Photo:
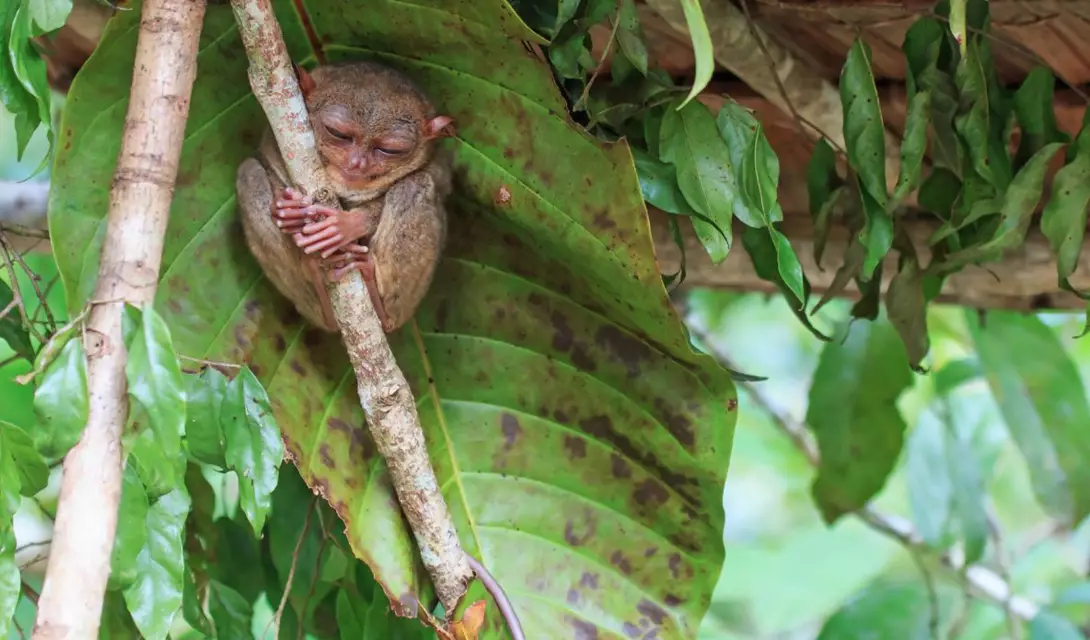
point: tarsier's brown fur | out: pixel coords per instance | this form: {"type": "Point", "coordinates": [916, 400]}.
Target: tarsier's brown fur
{"type": "Point", "coordinates": [376, 133]}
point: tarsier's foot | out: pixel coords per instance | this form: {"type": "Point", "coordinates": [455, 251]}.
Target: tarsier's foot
{"type": "Point", "coordinates": [355, 256]}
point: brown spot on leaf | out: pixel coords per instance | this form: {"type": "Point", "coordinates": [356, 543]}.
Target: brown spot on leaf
{"type": "Point", "coordinates": [298, 367]}
{"type": "Point", "coordinates": [619, 560]}
{"type": "Point", "coordinates": [581, 359]}
{"type": "Point", "coordinates": [511, 430]}
{"type": "Point", "coordinates": [650, 551]}
{"type": "Point", "coordinates": [560, 416]}
{"type": "Point", "coordinates": [674, 562]}
{"type": "Point", "coordinates": [325, 455]}
{"type": "Point", "coordinates": [576, 447]}
{"type": "Point", "coordinates": [406, 606]}
{"type": "Point", "coordinates": [652, 611]}
{"type": "Point", "coordinates": [573, 597]}
{"type": "Point", "coordinates": [620, 466]}
{"type": "Point", "coordinates": [588, 580]}
{"type": "Point", "coordinates": [623, 348]}
{"type": "Point", "coordinates": [651, 493]}
{"type": "Point", "coordinates": [502, 196]}
{"type": "Point", "coordinates": [732, 404]}
{"type": "Point", "coordinates": [671, 600]}
{"type": "Point", "coordinates": [584, 630]}
{"type": "Point", "coordinates": [562, 333]}
{"type": "Point", "coordinates": [577, 538]}
{"type": "Point", "coordinates": [603, 221]}
{"type": "Point", "coordinates": [631, 630]}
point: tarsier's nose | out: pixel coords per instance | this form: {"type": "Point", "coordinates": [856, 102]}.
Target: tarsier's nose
{"type": "Point", "coordinates": [357, 161]}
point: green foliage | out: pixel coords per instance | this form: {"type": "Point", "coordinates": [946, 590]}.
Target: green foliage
{"type": "Point", "coordinates": [60, 400]}
{"type": "Point", "coordinates": [155, 596]}
{"type": "Point", "coordinates": [882, 611]}
{"type": "Point", "coordinates": [11, 326]}
{"type": "Point", "coordinates": [702, 46]}
{"type": "Point", "coordinates": [855, 385]}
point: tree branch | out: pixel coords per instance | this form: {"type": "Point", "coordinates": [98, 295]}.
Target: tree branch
{"type": "Point", "coordinates": [163, 74]}
{"type": "Point", "coordinates": [979, 580]}
{"type": "Point", "coordinates": [384, 392]}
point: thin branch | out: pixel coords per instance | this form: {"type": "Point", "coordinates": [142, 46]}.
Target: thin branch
{"type": "Point", "coordinates": [601, 61]}
{"type": "Point", "coordinates": [25, 231]}
{"type": "Point", "coordinates": [34, 280]}
{"type": "Point", "coordinates": [147, 167]}
{"type": "Point", "coordinates": [384, 392]}
{"type": "Point", "coordinates": [291, 574]}
{"type": "Point", "coordinates": [17, 295]}
{"type": "Point", "coordinates": [981, 581]}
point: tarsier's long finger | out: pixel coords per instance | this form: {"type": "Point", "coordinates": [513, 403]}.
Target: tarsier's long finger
{"type": "Point", "coordinates": [295, 213]}
{"type": "Point", "coordinates": [315, 227]}
{"type": "Point", "coordinates": [312, 238]}
{"type": "Point", "coordinates": [291, 226]}
{"type": "Point", "coordinates": [331, 242]}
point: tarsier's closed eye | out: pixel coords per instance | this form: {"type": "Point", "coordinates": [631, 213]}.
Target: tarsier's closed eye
{"type": "Point", "coordinates": [337, 134]}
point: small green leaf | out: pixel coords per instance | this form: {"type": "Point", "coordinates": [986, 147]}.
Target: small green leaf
{"type": "Point", "coordinates": [913, 145]}
{"type": "Point", "coordinates": [1015, 214]}
{"type": "Point", "coordinates": [930, 488]}
{"type": "Point", "coordinates": [254, 448]}
{"type": "Point", "coordinates": [192, 608]}
{"type": "Point", "coordinates": [689, 140]}
{"type": "Point", "coordinates": [351, 615]}
{"type": "Point", "coordinates": [1063, 221]}
{"type": "Point", "coordinates": [630, 36]}
{"type": "Point", "coordinates": [204, 429]}
{"type": "Point", "coordinates": [658, 184]}
{"type": "Point", "coordinates": [49, 15]}
{"type": "Point", "coordinates": [12, 330]}
{"type": "Point", "coordinates": [30, 71]}
{"type": "Point", "coordinates": [1036, 115]}
{"type": "Point", "coordinates": [821, 176]}
{"type": "Point", "coordinates": [907, 308]}
{"type": "Point", "coordinates": [238, 557]}
{"type": "Point", "coordinates": [849, 268]}
{"type": "Point", "coordinates": [975, 125]}
{"type": "Point", "coordinates": [877, 234]}
{"type": "Point", "coordinates": [1042, 400]}
{"type": "Point", "coordinates": [231, 613]}
{"type": "Point", "coordinates": [61, 401]}
{"type": "Point", "coordinates": [864, 133]}
{"type": "Point", "coordinates": [132, 516]}
{"type": "Point", "coordinates": [738, 128]}
{"type": "Point", "coordinates": [18, 100]}
{"type": "Point", "coordinates": [852, 412]}
{"type": "Point", "coordinates": [156, 595]}
{"type": "Point", "coordinates": [939, 191]}
{"type": "Point", "coordinates": [155, 381]}
{"type": "Point", "coordinates": [565, 11]}
{"type": "Point", "coordinates": [17, 449]}
{"type": "Point", "coordinates": [765, 255]}
{"type": "Point", "coordinates": [159, 473]}
{"type": "Point", "coordinates": [883, 610]}
{"type": "Point", "coordinates": [969, 493]}
{"type": "Point", "coordinates": [760, 177]}
{"type": "Point", "coordinates": [702, 47]}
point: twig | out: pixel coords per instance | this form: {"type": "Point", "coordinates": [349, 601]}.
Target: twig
{"type": "Point", "coordinates": [980, 580]}
{"type": "Point", "coordinates": [291, 574]}
{"type": "Point", "coordinates": [34, 280]}
{"type": "Point", "coordinates": [30, 593]}
{"type": "Point", "coordinates": [300, 632]}
{"type": "Point", "coordinates": [601, 61]}
{"type": "Point", "coordinates": [25, 231]}
{"type": "Point", "coordinates": [147, 166]}
{"type": "Point", "coordinates": [384, 392]}
{"type": "Point", "coordinates": [6, 310]}
{"type": "Point", "coordinates": [17, 296]}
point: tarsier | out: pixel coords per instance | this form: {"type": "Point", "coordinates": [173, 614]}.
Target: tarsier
{"type": "Point", "coordinates": [376, 134]}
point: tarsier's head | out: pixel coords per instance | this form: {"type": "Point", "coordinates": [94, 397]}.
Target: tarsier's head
{"type": "Point", "coordinates": [372, 123]}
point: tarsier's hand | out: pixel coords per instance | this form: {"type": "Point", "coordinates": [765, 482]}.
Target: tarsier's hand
{"type": "Point", "coordinates": [354, 256]}
{"type": "Point", "coordinates": [292, 211]}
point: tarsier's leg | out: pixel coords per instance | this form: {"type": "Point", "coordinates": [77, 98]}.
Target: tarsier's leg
{"type": "Point", "coordinates": [356, 256]}
{"type": "Point", "coordinates": [289, 213]}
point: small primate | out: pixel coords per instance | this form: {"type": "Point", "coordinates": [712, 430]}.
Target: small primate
{"type": "Point", "coordinates": [376, 134]}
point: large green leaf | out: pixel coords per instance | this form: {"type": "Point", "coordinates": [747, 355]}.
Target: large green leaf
{"type": "Point", "coordinates": [853, 413]}
{"type": "Point", "coordinates": [581, 444]}
{"type": "Point", "coordinates": [1042, 399]}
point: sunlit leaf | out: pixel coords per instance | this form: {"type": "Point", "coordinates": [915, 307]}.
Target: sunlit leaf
{"type": "Point", "coordinates": [204, 438]}
{"type": "Point", "coordinates": [702, 46]}
{"type": "Point", "coordinates": [61, 401]}
{"type": "Point", "coordinates": [49, 15]}
{"type": "Point", "coordinates": [22, 75]}
{"type": "Point", "coordinates": [254, 449]}
{"type": "Point", "coordinates": [1042, 400]}
{"type": "Point", "coordinates": [156, 595]}
{"type": "Point", "coordinates": [155, 381]}
{"type": "Point", "coordinates": [852, 411]}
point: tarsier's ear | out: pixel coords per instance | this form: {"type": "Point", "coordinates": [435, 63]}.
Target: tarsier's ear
{"type": "Point", "coordinates": [439, 127]}
{"type": "Point", "coordinates": [306, 81]}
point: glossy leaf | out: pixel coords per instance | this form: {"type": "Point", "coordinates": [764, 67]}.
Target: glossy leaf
{"type": "Point", "coordinates": [658, 184]}
{"type": "Point", "coordinates": [1036, 115]}
{"type": "Point", "coordinates": [1063, 220]}
{"type": "Point", "coordinates": [231, 613]}
{"type": "Point", "coordinates": [627, 428]}
{"type": "Point", "coordinates": [705, 175]}
{"type": "Point", "coordinates": [852, 411]}
{"type": "Point", "coordinates": [19, 99]}
{"type": "Point", "coordinates": [132, 534]}
{"type": "Point", "coordinates": [254, 448]}
{"type": "Point", "coordinates": [765, 255]}
{"type": "Point", "coordinates": [702, 46]}
{"type": "Point", "coordinates": [61, 401]}
{"type": "Point", "coordinates": [1016, 210]}
{"type": "Point", "coordinates": [155, 596]}
{"type": "Point", "coordinates": [864, 133]}
{"type": "Point", "coordinates": [907, 308]}
{"type": "Point", "coordinates": [630, 36]}
{"type": "Point", "coordinates": [876, 236]}
{"type": "Point", "coordinates": [565, 11]}
{"type": "Point", "coordinates": [738, 128]}
{"type": "Point", "coordinates": [204, 437]}
{"type": "Point", "coordinates": [23, 463]}
{"type": "Point", "coordinates": [913, 145]}
{"type": "Point", "coordinates": [155, 381]}
{"type": "Point", "coordinates": [1041, 398]}
{"type": "Point", "coordinates": [894, 610]}
{"type": "Point", "coordinates": [12, 330]}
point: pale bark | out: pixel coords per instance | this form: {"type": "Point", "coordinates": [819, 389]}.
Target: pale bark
{"type": "Point", "coordinates": [384, 392]}
{"type": "Point", "coordinates": [163, 74]}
